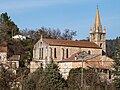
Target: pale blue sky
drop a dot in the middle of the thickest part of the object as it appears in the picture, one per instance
(77, 15)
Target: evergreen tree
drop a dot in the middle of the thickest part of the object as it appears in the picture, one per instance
(30, 82)
(52, 79)
(12, 27)
(117, 66)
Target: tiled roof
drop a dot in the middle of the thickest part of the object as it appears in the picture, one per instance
(3, 49)
(92, 61)
(100, 62)
(71, 43)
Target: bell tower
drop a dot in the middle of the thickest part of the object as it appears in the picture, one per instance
(97, 35)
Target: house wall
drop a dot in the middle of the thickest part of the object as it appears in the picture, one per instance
(3, 57)
(65, 67)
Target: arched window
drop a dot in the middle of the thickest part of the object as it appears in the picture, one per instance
(55, 53)
(89, 52)
(66, 53)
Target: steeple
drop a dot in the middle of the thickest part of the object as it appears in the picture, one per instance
(97, 35)
(97, 23)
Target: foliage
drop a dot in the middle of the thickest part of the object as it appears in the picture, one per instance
(117, 65)
(52, 79)
(6, 78)
(30, 82)
(7, 29)
(49, 33)
(91, 80)
(111, 46)
(25, 50)
(45, 79)
(12, 28)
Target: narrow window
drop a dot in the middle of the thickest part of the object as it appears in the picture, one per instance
(101, 36)
(42, 54)
(55, 53)
(62, 53)
(66, 53)
(110, 74)
(101, 45)
(50, 52)
(0, 57)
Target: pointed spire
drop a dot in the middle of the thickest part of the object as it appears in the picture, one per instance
(97, 23)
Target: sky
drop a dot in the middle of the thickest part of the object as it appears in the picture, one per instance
(76, 15)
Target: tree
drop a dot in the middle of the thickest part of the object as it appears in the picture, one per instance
(7, 29)
(117, 66)
(52, 79)
(31, 81)
(68, 35)
(44, 79)
(91, 80)
(6, 78)
(110, 50)
(12, 27)
(55, 34)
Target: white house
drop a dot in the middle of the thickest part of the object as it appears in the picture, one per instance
(21, 37)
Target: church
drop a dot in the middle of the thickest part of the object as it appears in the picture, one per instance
(70, 54)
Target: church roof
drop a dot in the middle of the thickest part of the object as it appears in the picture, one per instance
(3, 49)
(71, 43)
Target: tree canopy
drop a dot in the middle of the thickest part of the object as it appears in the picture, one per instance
(6, 78)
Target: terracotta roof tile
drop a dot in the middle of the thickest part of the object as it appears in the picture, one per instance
(71, 43)
(3, 49)
(100, 62)
(97, 61)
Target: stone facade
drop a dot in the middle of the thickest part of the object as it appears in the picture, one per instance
(44, 51)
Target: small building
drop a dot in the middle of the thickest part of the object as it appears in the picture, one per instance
(19, 37)
(13, 62)
(100, 63)
(3, 54)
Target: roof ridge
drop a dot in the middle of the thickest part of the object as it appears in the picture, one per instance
(71, 43)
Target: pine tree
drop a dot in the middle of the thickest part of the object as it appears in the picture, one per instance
(52, 79)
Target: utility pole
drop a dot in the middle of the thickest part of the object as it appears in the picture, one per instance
(82, 76)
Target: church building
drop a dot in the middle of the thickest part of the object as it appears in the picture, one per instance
(70, 54)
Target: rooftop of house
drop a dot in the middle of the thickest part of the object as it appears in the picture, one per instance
(3, 49)
(91, 61)
(71, 43)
